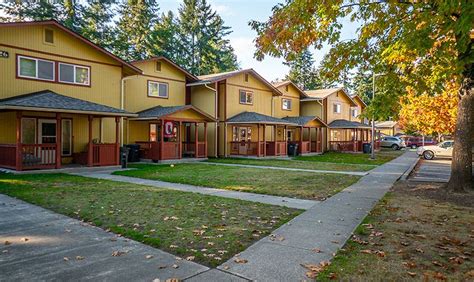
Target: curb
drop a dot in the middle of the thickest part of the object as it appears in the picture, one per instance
(407, 173)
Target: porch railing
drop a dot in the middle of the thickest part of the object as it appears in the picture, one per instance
(245, 148)
(189, 148)
(343, 146)
(104, 154)
(38, 156)
(8, 155)
(316, 146)
(305, 147)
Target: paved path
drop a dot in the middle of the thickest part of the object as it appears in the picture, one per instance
(360, 173)
(438, 170)
(266, 199)
(64, 249)
(326, 226)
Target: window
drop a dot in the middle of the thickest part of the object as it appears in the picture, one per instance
(28, 131)
(337, 108)
(35, 68)
(354, 112)
(153, 132)
(286, 104)
(158, 66)
(246, 77)
(246, 97)
(74, 74)
(48, 36)
(66, 137)
(157, 89)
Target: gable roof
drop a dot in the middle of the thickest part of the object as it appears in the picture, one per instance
(129, 67)
(49, 101)
(160, 112)
(324, 93)
(342, 123)
(216, 77)
(289, 82)
(189, 75)
(303, 120)
(356, 97)
(253, 117)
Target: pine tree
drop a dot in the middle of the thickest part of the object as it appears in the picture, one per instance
(133, 29)
(165, 38)
(95, 24)
(302, 71)
(16, 11)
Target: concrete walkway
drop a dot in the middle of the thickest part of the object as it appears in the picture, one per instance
(359, 173)
(325, 227)
(259, 198)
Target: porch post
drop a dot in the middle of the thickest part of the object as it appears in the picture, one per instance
(90, 153)
(180, 140)
(264, 141)
(162, 139)
(205, 139)
(117, 140)
(301, 139)
(355, 139)
(309, 139)
(275, 139)
(58, 140)
(19, 155)
(258, 139)
(196, 137)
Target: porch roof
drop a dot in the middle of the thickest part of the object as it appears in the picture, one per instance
(303, 120)
(160, 112)
(252, 117)
(342, 123)
(49, 101)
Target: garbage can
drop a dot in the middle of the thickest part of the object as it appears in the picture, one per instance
(366, 148)
(133, 152)
(123, 156)
(292, 149)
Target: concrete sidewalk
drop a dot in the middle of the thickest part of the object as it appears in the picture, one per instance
(252, 197)
(325, 227)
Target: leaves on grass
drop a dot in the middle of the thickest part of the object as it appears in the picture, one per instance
(315, 269)
(190, 258)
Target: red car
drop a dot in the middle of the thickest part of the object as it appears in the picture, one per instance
(414, 142)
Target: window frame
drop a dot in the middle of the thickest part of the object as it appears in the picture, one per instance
(158, 82)
(246, 97)
(290, 108)
(74, 74)
(18, 67)
(336, 108)
(354, 112)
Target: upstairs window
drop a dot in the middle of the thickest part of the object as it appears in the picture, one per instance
(74, 74)
(48, 36)
(354, 112)
(157, 89)
(246, 97)
(286, 104)
(35, 68)
(337, 108)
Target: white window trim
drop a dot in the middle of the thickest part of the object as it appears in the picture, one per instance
(338, 108)
(37, 73)
(246, 102)
(289, 104)
(158, 96)
(74, 74)
(355, 112)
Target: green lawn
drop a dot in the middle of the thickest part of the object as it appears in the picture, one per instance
(306, 185)
(381, 157)
(206, 229)
(316, 165)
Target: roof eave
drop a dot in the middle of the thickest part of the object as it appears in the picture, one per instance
(55, 110)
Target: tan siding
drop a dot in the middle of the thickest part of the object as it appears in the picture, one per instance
(291, 94)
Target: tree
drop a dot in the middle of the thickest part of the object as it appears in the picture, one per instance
(95, 24)
(37, 10)
(302, 71)
(165, 38)
(133, 29)
(203, 33)
(424, 45)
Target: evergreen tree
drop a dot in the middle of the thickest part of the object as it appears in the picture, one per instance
(165, 38)
(133, 29)
(37, 11)
(303, 73)
(203, 33)
(95, 24)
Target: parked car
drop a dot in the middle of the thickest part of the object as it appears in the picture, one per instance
(443, 149)
(416, 141)
(393, 142)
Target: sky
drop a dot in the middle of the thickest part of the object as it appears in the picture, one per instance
(237, 14)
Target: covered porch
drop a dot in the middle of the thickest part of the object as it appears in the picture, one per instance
(256, 135)
(308, 135)
(349, 136)
(46, 130)
(170, 133)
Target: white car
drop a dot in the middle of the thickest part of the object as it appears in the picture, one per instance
(443, 150)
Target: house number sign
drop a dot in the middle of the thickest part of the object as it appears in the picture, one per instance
(3, 54)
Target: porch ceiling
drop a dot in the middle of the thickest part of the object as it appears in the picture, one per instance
(346, 124)
(181, 112)
(49, 101)
(256, 118)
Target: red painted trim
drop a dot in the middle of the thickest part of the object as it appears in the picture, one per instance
(148, 89)
(90, 147)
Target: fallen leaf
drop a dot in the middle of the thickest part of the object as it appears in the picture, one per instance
(66, 259)
(366, 251)
(173, 246)
(419, 250)
(190, 258)
(316, 250)
(25, 239)
(175, 266)
(225, 267)
(440, 276)
(412, 274)
(117, 253)
(8, 243)
(149, 256)
(239, 260)
(79, 258)
(437, 263)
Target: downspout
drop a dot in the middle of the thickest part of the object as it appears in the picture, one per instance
(122, 103)
(216, 117)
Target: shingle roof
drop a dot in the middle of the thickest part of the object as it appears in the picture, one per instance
(48, 100)
(322, 93)
(342, 123)
(252, 117)
(303, 120)
(160, 111)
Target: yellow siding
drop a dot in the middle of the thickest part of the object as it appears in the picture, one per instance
(204, 99)
(138, 131)
(136, 89)
(8, 128)
(291, 94)
(312, 108)
(340, 98)
(105, 73)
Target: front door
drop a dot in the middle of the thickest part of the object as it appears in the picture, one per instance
(245, 136)
(47, 136)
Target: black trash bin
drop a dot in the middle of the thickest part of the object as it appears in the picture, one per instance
(133, 153)
(292, 149)
(123, 156)
(366, 148)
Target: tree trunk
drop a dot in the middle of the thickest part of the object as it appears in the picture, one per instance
(461, 168)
